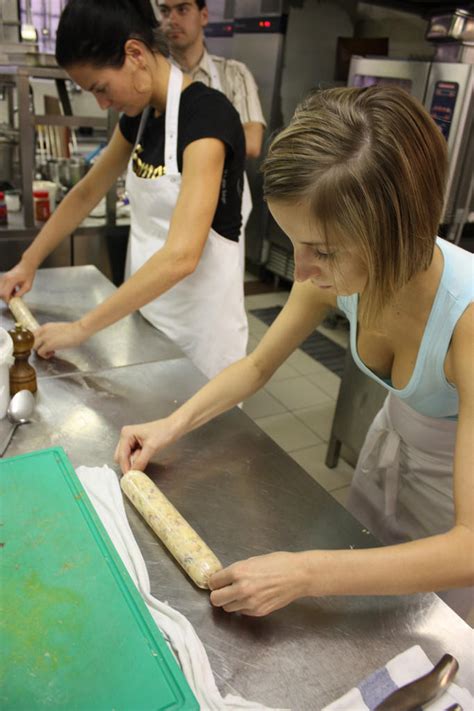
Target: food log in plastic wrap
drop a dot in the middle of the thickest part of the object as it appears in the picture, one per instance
(172, 529)
(22, 314)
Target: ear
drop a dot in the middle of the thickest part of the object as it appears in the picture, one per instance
(204, 16)
(135, 51)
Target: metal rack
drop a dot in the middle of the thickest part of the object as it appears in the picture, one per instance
(18, 77)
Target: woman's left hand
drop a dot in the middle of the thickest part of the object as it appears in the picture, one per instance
(259, 585)
(54, 336)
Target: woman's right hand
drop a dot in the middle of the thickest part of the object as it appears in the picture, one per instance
(138, 443)
(17, 281)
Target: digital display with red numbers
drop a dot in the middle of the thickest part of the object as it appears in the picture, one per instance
(252, 25)
(443, 104)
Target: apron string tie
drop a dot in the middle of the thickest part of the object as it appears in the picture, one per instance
(384, 454)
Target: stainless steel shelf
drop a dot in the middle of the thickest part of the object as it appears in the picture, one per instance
(45, 120)
(18, 77)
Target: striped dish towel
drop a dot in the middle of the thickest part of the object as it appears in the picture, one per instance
(399, 671)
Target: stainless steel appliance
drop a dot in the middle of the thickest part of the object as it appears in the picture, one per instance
(260, 40)
(253, 32)
(219, 38)
(219, 32)
(446, 89)
(451, 26)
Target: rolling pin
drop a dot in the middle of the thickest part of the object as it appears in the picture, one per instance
(182, 541)
(22, 314)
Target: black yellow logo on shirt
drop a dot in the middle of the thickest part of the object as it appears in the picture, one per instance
(145, 170)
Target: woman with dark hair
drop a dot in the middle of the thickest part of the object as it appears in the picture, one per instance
(185, 150)
(357, 183)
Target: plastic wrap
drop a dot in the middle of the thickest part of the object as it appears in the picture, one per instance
(22, 314)
(194, 556)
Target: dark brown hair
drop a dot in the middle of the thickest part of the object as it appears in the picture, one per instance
(95, 32)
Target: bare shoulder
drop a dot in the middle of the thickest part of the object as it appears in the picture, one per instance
(203, 155)
(462, 351)
(463, 336)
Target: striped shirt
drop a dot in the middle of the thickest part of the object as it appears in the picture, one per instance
(237, 83)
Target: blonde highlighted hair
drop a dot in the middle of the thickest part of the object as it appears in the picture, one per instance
(372, 164)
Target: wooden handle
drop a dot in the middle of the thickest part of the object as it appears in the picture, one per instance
(22, 314)
(182, 541)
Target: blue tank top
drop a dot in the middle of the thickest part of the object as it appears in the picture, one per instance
(428, 391)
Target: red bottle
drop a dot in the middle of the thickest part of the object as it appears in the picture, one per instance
(3, 210)
(42, 211)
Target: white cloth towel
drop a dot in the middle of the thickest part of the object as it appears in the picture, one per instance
(400, 670)
(103, 489)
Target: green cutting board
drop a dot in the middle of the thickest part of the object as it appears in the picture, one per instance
(75, 634)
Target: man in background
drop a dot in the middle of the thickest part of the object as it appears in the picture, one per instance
(183, 23)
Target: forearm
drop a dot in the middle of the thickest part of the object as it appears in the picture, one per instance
(253, 139)
(233, 385)
(239, 381)
(81, 199)
(139, 443)
(68, 215)
(160, 273)
(429, 564)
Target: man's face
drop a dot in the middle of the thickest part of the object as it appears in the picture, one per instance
(181, 22)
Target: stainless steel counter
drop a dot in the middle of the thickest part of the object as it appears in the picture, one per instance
(66, 294)
(245, 496)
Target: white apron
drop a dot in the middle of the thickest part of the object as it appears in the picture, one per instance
(204, 313)
(402, 487)
(246, 194)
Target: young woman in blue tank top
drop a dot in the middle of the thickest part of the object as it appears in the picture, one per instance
(357, 183)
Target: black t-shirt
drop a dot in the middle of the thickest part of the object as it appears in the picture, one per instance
(203, 113)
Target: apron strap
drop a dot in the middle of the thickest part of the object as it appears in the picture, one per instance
(381, 451)
(141, 125)
(173, 97)
(390, 461)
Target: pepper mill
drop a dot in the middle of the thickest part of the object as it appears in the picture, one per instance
(22, 374)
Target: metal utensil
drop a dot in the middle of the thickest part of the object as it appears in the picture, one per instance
(423, 690)
(28, 31)
(19, 412)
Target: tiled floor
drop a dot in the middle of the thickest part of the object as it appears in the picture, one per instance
(296, 406)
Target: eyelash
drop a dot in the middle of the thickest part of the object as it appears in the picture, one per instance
(322, 255)
(181, 11)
